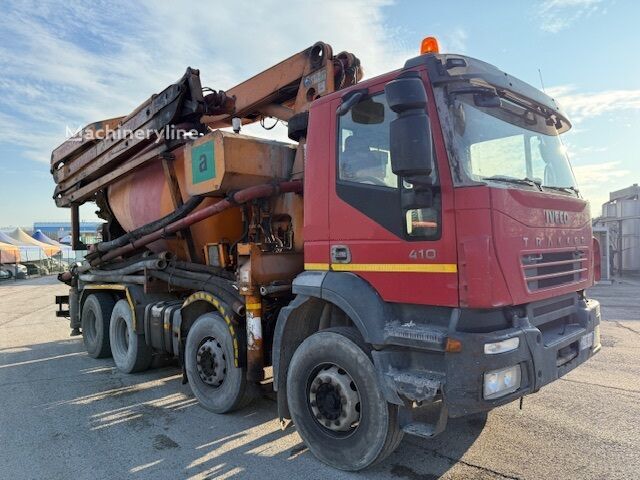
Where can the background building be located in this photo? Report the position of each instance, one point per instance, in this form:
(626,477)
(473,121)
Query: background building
(89,231)
(618,230)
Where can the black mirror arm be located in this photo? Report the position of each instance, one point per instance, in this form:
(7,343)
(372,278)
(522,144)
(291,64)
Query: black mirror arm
(351,99)
(413,199)
(420,182)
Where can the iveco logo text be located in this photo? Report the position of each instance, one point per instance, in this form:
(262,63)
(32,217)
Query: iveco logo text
(556,216)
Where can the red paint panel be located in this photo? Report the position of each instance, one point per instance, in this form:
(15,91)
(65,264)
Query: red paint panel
(317,251)
(370,243)
(316,180)
(519,229)
(507,225)
(528,207)
(482,283)
(473,198)
(404,287)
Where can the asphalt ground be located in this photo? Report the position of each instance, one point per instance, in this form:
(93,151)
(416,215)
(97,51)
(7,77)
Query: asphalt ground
(65,415)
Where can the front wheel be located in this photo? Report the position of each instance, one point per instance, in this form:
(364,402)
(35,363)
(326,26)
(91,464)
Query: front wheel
(214,379)
(336,402)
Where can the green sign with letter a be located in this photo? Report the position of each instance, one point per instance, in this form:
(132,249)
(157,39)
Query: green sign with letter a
(203,166)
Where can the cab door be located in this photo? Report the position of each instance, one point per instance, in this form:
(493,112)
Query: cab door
(407,253)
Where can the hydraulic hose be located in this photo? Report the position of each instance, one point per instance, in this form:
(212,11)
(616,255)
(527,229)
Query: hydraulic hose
(177,214)
(130,261)
(237,198)
(88,277)
(198,267)
(165,256)
(153,264)
(207,278)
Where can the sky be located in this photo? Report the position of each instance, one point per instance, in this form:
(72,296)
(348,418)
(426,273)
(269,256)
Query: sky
(70,64)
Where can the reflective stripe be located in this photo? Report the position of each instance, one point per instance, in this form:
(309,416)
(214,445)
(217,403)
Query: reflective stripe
(385,267)
(115,286)
(209,298)
(316,266)
(395,267)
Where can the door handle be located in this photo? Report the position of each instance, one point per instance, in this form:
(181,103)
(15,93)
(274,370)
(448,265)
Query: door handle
(340,254)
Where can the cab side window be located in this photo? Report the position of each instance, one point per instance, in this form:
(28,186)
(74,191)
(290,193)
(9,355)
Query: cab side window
(363,156)
(365,179)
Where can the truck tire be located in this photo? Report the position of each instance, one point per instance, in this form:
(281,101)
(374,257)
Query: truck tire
(337,404)
(131,353)
(95,319)
(217,383)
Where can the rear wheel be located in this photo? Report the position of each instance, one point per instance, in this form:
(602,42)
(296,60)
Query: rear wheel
(130,352)
(96,314)
(336,403)
(216,382)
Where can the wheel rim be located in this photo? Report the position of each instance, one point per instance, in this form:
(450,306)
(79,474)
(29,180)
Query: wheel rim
(89,328)
(211,362)
(121,345)
(334,400)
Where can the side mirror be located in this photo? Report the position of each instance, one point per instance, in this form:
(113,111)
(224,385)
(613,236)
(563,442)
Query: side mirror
(410,133)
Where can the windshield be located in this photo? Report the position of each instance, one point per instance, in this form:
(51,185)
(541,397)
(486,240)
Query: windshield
(506,144)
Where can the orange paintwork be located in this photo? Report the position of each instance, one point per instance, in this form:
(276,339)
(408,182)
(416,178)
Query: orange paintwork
(144,196)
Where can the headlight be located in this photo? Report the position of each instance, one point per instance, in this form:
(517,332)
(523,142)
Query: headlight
(503,346)
(498,383)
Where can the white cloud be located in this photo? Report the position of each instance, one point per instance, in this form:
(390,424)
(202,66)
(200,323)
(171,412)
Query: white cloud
(595,174)
(72,64)
(454,41)
(557,15)
(583,105)
(595,180)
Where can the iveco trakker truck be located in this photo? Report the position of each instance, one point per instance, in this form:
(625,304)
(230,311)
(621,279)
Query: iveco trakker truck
(421,246)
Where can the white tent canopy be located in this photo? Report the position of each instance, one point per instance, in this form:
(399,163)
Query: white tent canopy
(26,239)
(28,252)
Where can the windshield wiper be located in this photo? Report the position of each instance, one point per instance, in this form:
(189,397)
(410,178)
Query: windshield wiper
(518,181)
(563,189)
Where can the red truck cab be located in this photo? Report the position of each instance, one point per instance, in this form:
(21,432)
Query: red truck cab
(476,262)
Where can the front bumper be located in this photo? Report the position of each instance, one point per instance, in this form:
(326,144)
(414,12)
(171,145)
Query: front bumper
(549,335)
(548,350)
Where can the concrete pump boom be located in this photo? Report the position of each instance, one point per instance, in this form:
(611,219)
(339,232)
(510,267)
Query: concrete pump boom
(106,151)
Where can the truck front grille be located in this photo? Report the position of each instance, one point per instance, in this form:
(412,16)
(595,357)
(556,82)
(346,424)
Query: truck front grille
(553,269)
